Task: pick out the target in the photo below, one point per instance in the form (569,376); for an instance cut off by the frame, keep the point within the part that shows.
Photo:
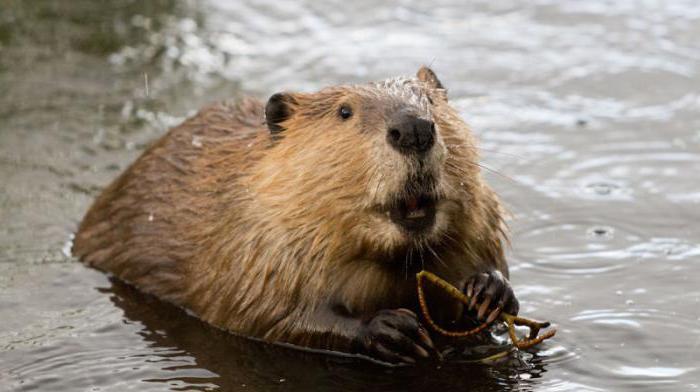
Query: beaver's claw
(490,293)
(395,336)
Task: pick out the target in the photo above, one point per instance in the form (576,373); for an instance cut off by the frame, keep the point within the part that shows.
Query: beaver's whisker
(442,262)
(420,253)
(447,236)
(379,183)
(449,186)
(502,153)
(491,170)
(485,150)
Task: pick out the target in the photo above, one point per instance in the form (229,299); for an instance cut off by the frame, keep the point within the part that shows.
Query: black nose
(410,134)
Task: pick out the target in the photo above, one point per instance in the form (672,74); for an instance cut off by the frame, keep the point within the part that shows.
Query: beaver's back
(141,227)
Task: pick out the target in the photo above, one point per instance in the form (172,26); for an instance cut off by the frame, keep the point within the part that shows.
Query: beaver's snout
(411,134)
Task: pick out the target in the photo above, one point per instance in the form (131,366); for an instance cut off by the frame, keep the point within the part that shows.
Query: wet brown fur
(277,237)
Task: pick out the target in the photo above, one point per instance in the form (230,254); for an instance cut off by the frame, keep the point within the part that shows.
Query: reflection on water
(588,118)
(129,339)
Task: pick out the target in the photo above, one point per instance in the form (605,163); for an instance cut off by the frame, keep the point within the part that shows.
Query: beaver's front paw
(396,336)
(491,293)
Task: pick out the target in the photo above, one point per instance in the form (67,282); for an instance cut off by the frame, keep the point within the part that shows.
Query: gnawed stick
(535,326)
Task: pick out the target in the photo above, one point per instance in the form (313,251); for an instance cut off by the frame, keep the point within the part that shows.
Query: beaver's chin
(414,214)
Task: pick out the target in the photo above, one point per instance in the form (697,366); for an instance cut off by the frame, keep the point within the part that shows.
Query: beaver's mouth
(414,213)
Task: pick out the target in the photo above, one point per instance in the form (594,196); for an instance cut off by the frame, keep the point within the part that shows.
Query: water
(587,114)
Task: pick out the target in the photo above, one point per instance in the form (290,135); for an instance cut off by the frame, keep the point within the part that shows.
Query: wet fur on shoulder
(273,227)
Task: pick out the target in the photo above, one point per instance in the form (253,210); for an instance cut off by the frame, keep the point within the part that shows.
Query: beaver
(303,220)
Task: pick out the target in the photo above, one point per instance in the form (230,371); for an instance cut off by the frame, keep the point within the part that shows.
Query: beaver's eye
(345,112)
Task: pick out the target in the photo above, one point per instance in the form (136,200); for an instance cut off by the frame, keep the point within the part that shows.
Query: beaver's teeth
(415,214)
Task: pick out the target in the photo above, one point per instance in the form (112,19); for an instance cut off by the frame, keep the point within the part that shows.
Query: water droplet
(601,232)
(602,188)
(66,249)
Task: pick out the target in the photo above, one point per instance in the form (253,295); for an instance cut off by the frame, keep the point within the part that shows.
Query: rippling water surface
(588,115)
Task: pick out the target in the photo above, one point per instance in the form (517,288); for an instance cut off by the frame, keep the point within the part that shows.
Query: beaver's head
(385,165)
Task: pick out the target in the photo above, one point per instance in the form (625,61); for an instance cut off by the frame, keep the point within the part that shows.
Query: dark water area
(588,114)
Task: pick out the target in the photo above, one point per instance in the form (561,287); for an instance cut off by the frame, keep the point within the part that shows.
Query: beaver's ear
(427,75)
(279,108)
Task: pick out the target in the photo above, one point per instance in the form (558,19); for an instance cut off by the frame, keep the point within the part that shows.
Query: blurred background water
(588,116)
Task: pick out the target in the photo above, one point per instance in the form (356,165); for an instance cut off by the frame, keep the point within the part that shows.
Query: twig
(511,320)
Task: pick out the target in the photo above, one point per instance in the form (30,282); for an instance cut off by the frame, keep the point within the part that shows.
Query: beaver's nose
(411,134)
